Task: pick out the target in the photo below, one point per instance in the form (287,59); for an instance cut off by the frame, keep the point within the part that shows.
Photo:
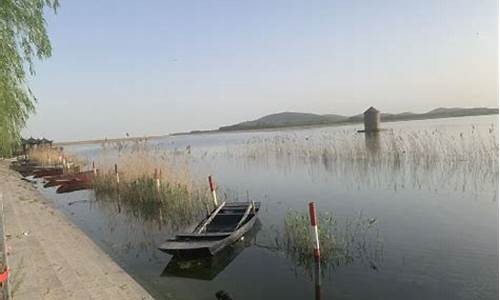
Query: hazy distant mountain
(290,119)
(286,119)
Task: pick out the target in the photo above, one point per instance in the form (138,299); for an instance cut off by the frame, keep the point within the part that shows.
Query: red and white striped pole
(314,230)
(211,183)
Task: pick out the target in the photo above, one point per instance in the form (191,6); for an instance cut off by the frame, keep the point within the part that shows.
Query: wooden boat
(74,185)
(55,182)
(225,225)
(25,167)
(67,178)
(208,267)
(43,172)
(70,176)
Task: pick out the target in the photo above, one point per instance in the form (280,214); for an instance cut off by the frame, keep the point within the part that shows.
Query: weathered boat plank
(224,226)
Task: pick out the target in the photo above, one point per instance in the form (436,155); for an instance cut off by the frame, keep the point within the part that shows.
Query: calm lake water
(436,213)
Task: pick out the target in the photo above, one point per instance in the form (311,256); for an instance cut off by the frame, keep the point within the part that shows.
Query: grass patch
(342,242)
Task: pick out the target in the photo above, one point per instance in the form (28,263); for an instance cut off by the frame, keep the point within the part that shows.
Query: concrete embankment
(49,257)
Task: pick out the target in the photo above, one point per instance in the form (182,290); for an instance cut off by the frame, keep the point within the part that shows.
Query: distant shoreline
(292,119)
(113,140)
(336,124)
(216,131)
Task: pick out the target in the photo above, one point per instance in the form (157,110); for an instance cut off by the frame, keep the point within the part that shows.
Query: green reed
(172,204)
(342,242)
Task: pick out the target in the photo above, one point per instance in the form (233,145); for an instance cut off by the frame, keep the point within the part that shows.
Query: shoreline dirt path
(49,257)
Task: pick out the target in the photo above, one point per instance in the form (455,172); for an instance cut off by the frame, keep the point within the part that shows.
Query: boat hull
(206,245)
(74,185)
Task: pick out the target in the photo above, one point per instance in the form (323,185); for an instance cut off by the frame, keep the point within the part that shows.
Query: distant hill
(286,119)
(291,119)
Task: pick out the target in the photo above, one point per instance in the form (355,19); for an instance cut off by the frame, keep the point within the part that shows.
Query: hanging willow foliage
(23,38)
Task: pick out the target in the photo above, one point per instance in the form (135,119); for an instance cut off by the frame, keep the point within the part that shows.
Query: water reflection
(317,281)
(208,267)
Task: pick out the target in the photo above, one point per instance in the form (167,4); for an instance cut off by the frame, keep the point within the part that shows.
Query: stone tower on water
(372,119)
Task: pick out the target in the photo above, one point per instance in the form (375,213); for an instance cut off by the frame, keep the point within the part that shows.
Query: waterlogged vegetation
(421,157)
(151,187)
(419,147)
(342,240)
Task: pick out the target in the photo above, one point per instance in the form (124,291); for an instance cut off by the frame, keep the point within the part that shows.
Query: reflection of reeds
(356,239)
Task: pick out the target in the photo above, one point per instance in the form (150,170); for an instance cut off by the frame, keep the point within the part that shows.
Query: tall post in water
(317,281)
(316,251)
(157,180)
(117,175)
(314,231)
(94,170)
(211,183)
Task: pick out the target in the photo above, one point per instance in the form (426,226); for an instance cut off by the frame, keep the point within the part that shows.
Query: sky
(157,67)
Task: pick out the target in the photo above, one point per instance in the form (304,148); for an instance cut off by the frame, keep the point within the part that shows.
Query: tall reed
(152,187)
(49,156)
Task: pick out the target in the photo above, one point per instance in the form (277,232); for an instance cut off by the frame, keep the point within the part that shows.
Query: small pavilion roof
(371,110)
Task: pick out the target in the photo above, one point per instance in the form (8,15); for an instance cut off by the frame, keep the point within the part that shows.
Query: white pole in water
(94,169)
(157,180)
(211,183)
(314,230)
(117,175)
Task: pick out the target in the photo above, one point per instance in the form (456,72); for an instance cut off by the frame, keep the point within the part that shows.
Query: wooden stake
(117,175)
(211,183)
(314,230)
(317,281)
(157,180)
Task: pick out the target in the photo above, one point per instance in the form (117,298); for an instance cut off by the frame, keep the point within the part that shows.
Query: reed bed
(342,241)
(465,159)
(151,186)
(46,155)
(419,146)
(49,156)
